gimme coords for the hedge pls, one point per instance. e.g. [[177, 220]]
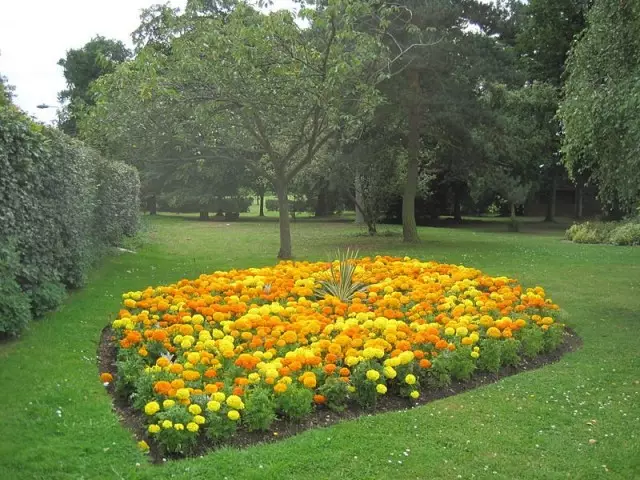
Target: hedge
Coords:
[[61, 205]]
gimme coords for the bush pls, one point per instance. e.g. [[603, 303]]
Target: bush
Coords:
[[15, 311], [626, 234], [271, 205], [616, 233], [260, 410], [60, 205]]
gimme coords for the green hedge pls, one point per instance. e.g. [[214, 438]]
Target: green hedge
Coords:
[[61, 205]]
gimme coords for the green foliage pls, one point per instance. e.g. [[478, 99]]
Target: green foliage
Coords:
[[336, 393], [489, 359], [15, 312], [60, 205], [295, 403], [461, 364], [616, 233], [531, 341], [219, 427], [600, 104], [171, 439], [342, 285], [81, 67], [46, 297], [553, 337], [627, 233], [260, 410], [509, 352]]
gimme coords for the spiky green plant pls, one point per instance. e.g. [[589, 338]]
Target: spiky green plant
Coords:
[[341, 285]]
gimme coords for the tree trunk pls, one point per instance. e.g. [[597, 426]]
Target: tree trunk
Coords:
[[359, 200], [409, 228], [285, 222], [261, 214], [579, 200], [322, 207], [551, 204], [204, 215], [457, 201], [152, 205], [513, 222]]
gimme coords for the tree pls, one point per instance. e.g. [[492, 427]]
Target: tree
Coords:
[[6, 91], [270, 86], [599, 111], [81, 67]]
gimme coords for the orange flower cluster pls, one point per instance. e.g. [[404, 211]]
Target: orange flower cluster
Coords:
[[231, 331]]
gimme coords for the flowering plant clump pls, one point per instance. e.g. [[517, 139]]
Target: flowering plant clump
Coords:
[[204, 357]]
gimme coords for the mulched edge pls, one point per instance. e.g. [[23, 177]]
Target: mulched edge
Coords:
[[134, 419]]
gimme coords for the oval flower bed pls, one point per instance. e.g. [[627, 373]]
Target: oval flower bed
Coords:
[[237, 349]]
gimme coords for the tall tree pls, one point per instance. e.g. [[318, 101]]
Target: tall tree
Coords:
[[81, 67], [601, 102]]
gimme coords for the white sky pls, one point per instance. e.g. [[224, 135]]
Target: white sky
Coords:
[[35, 34]]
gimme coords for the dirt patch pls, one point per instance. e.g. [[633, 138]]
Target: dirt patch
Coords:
[[282, 428]]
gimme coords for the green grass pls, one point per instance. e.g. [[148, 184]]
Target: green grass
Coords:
[[533, 425]]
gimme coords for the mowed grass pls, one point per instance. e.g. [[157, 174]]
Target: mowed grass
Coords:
[[57, 423]]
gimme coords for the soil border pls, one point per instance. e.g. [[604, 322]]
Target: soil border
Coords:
[[134, 420]]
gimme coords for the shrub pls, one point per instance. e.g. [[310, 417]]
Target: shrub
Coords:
[[46, 297], [616, 233], [60, 205], [271, 205], [296, 402], [626, 234], [15, 311], [260, 410]]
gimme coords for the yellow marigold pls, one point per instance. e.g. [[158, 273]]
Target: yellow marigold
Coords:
[[233, 415], [410, 379], [494, 332], [153, 428], [193, 427], [183, 393], [449, 331], [234, 401], [167, 424], [151, 408], [381, 388], [462, 331], [373, 375], [475, 354], [414, 394], [144, 446], [199, 419], [389, 372], [213, 406], [178, 426], [194, 409], [168, 403]]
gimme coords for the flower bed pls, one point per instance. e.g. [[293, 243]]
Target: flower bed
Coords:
[[238, 349]]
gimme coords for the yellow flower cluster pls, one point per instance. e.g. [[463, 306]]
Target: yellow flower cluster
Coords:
[[221, 335]]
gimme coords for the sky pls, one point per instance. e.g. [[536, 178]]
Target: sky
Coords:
[[35, 34]]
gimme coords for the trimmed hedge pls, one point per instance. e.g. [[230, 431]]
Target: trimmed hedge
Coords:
[[61, 205]]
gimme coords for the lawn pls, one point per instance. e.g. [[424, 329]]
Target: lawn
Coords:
[[57, 421]]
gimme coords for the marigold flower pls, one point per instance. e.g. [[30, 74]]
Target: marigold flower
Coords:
[[183, 393], [194, 409], [193, 427], [153, 428], [373, 375], [410, 379], [414, 394], [381, 388], [233, 415], [106, 377], [152, 408]]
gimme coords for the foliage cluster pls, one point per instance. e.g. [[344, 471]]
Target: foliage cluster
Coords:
[[61, 204], [616, 233]]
